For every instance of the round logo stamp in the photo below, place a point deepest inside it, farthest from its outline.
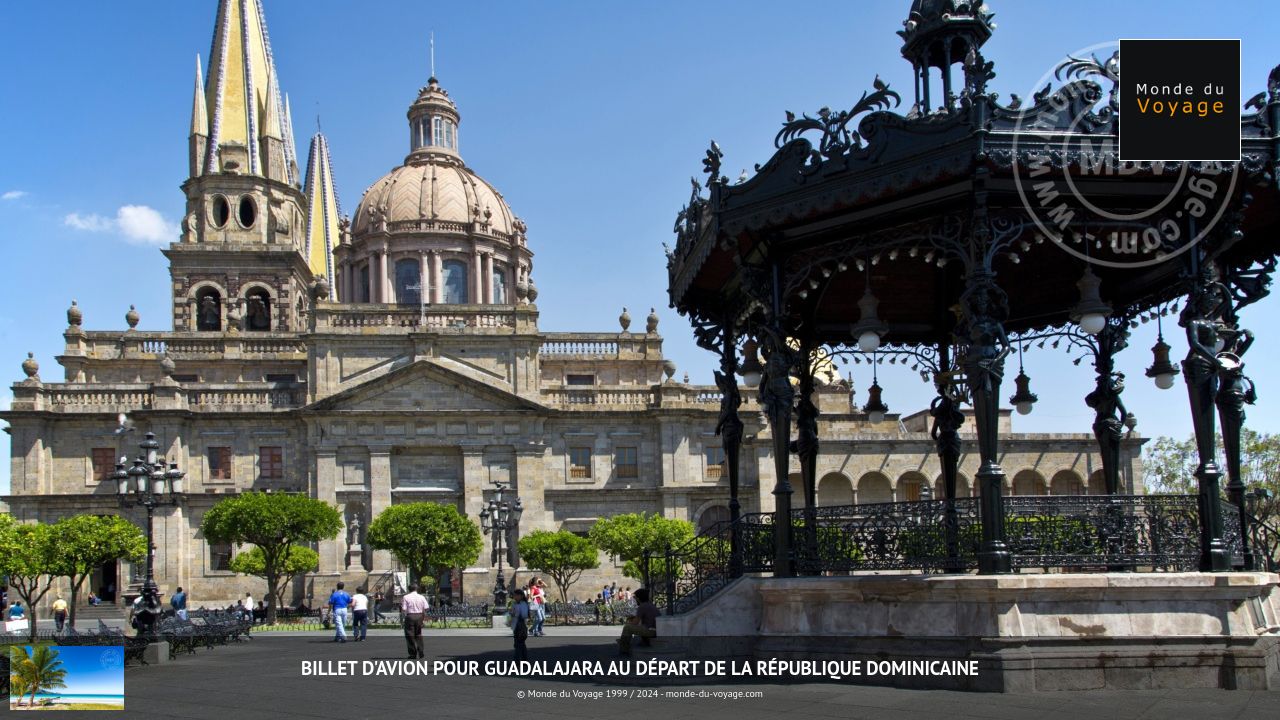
(1081, 196)
(111, 658)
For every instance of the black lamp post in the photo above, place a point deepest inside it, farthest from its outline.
(499, 518)
(148, 484)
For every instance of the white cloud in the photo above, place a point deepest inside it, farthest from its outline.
(145, 225)
(13, 195)
(137, 224)
(91, 223)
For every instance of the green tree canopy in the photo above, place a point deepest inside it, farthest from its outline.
(1169, 465)
(629, 537)
(299, 560)
(426, 537)
(84, 542)
(562, 555)
(29, 557)
(276, 523)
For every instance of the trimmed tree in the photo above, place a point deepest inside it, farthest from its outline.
(426, 537)
(29, 557)
(299, 560)
(629, 537)
(85, 542)
(562, 555)
(275, 523)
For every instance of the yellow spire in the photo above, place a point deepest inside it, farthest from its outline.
(242, 96)
(199, 118)
(323, 211)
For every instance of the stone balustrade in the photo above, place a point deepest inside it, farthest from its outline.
(701, 397)
(106, 345)
(125, 398)
(241, 396)
(375, 317)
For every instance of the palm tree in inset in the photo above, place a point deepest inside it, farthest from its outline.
(17, 679)
(41, 671)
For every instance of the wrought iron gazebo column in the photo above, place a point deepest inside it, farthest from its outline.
(947, 419)
(1109, 411)
(1234, 391)
(1200, 370)
(806, 448)
(730, 430)
(777, 396)
(984, 305)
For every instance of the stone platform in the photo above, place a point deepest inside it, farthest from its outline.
(1027, 631)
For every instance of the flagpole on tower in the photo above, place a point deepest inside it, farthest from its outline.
(433, 54)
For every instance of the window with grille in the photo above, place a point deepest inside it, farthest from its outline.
(104, 463)
(715, 462)
(580, 462)
(626, 463)
(572, 379)
(219, 463)
(271, 462)
(220, 557)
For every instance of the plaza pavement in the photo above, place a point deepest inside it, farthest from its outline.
(263, 679)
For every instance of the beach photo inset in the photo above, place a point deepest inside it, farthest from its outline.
(51, 677)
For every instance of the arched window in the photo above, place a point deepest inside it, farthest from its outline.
(408, 282)
(208, 310)
(1066, 482)
(257, 314)
(874, 488)
(1029, 482)
(711, 517)
(835, 489)
(499, 285)
(437, 130)
(454, 278)
(909, 486)
(450, 139)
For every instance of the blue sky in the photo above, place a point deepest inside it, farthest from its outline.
(91, 670)
(588, 117)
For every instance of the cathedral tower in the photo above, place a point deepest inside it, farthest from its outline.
(241, 262)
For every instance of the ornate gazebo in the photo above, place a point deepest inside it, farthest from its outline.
(953, 236)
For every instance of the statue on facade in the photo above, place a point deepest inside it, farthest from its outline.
(210, 313)
(353, 534)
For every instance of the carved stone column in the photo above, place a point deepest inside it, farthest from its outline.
(437, 292)
(488, 278)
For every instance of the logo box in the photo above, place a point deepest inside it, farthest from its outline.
(1180, 100)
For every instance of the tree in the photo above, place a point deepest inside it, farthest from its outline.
(84, 542)
(276, 523)
(562, 555)
(631, 536)
(426, 537)
(37, 672)
(29, 557)
(299, 560)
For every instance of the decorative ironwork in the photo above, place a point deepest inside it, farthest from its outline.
(837, 138)
(890, 536)
(1146, 532)
(689, 575)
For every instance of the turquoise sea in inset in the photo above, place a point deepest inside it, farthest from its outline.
(73, 697)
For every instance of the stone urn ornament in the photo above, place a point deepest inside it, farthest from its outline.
(320, 290)
(74, 315)
(669, 367)
(533, 292)
(30, 367)
(624, 320)
(132, 317)
(651, 324)
(522, 291)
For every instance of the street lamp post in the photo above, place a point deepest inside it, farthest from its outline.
(148, 484)
(499, 518)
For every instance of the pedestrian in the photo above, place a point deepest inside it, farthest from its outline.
(339, 601)
(93, 599)
(359, 615)
(518, 618)
(606, 594)
(59, 613)
(246, 607)
(644, 623)
(16, 611)
(378, 599)
(413, 608)
(537, 605)
(179, 603)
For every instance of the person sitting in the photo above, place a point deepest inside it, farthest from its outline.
(16, 611)
(644, 623)
(93, 599)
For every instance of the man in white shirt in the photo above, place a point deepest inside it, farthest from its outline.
(413, 609)
(359, 615)
(246, 606)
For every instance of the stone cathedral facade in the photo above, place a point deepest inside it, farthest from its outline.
(396, 357)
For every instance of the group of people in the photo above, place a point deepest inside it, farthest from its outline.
(344, 606)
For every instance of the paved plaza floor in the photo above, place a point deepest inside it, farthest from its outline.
(263, 678)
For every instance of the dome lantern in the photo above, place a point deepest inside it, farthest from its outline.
(433, 122)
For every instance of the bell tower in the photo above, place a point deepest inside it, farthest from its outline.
(241, 262)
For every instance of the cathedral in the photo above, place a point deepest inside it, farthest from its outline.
(394, 356)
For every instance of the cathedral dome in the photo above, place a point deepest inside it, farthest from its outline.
(434, 191)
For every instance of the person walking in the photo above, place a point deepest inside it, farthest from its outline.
(359, 615)
(246, 607)
(518, 616)
(339, 601)
(376, 606)
(537, 605)
(59, 613)
(413, 608)
(179, 603)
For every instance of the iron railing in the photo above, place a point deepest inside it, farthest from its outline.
(1264, 543)
(1075, 533)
